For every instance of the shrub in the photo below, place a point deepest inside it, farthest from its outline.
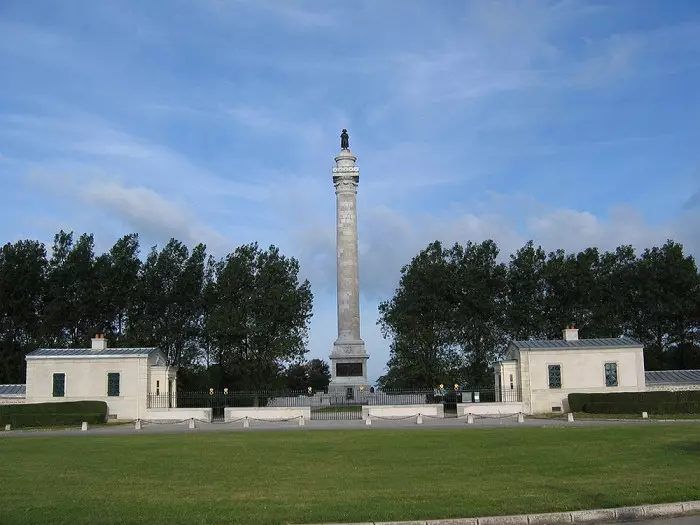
(660, 402)
(50, 414)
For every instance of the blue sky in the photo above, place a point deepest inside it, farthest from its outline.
(572, 123)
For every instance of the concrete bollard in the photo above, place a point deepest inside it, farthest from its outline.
(470, 419)
(368, 421)
(570, 417)
(301, 421)
(84, 426)
(419, 419)
(191, 425)
(521, 419)
(8, 427)
(246, 423)
(645, 415)
(137, 425)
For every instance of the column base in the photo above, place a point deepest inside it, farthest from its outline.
(349, 369)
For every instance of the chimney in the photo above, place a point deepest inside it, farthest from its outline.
(99, 342)
(570, 333)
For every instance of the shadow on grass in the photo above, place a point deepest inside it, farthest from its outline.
(687, 447)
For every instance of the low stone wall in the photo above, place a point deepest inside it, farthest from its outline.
(490, 409)
(389, 411)
(269, 413)
(11, 400)
(177, 414)
(671, 388)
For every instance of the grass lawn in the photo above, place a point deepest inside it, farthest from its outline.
(342, 476)
(584, 415)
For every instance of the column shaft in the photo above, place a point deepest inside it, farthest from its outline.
(347, 261)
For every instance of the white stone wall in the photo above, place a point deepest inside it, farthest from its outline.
(11, 400)
(493, 409)
(86, 380)
(582, 371)
(506, 380)
(163, 380)
(671, 388)
(233, 413)
(395, 411)
(177, 414)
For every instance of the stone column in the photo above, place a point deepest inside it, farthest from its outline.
(348, 349)
(345, 179)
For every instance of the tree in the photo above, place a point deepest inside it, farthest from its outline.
(526, 315)
(665, 301)
(119, 270)
(258, 316)
(480, 285)
(73, 293)
(315, 374)
(169, 303)
(318, 374)
(418, 319)
(22, 272)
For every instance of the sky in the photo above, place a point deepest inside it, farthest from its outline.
(571, 123)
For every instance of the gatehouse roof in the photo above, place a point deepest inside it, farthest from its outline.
(83, 353)
(661, 377)
(13, 390)
(577, 344)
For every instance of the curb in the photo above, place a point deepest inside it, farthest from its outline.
(662, 510)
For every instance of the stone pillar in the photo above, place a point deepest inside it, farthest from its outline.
(348, 356)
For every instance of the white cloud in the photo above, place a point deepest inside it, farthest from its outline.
(146, 211)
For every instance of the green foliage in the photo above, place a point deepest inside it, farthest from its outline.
(315, 374)
(257, 316)
(23, 269)
(234, 322)
(455, 309)
(51, 414)
(661, 402)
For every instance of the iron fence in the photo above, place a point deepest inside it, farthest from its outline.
(325, 402)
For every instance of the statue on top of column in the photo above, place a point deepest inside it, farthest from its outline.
(344, 140)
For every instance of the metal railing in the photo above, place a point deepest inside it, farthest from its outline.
(325, 399)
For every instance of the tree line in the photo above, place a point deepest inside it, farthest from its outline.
(240, 321)
(456, 308)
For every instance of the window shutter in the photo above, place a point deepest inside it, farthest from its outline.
(113, 384)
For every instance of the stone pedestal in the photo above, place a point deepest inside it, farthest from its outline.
(348, 358)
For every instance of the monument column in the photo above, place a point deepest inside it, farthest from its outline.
(348, 359)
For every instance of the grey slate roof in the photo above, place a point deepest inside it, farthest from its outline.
(13, 390)
(665, 377)
(560, 344)
(44, 353)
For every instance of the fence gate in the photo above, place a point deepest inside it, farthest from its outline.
(339, 408)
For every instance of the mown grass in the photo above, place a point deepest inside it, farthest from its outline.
(585, 415)
(343, 476)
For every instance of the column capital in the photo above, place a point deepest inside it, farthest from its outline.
(345, 184)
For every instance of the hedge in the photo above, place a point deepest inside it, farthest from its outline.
(50, 414)
(659, 402)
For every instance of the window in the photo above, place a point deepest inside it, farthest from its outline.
(554, 376)
(113, 384)
(59, 385)
(348, 370)
(610, 374)
(511, 381)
